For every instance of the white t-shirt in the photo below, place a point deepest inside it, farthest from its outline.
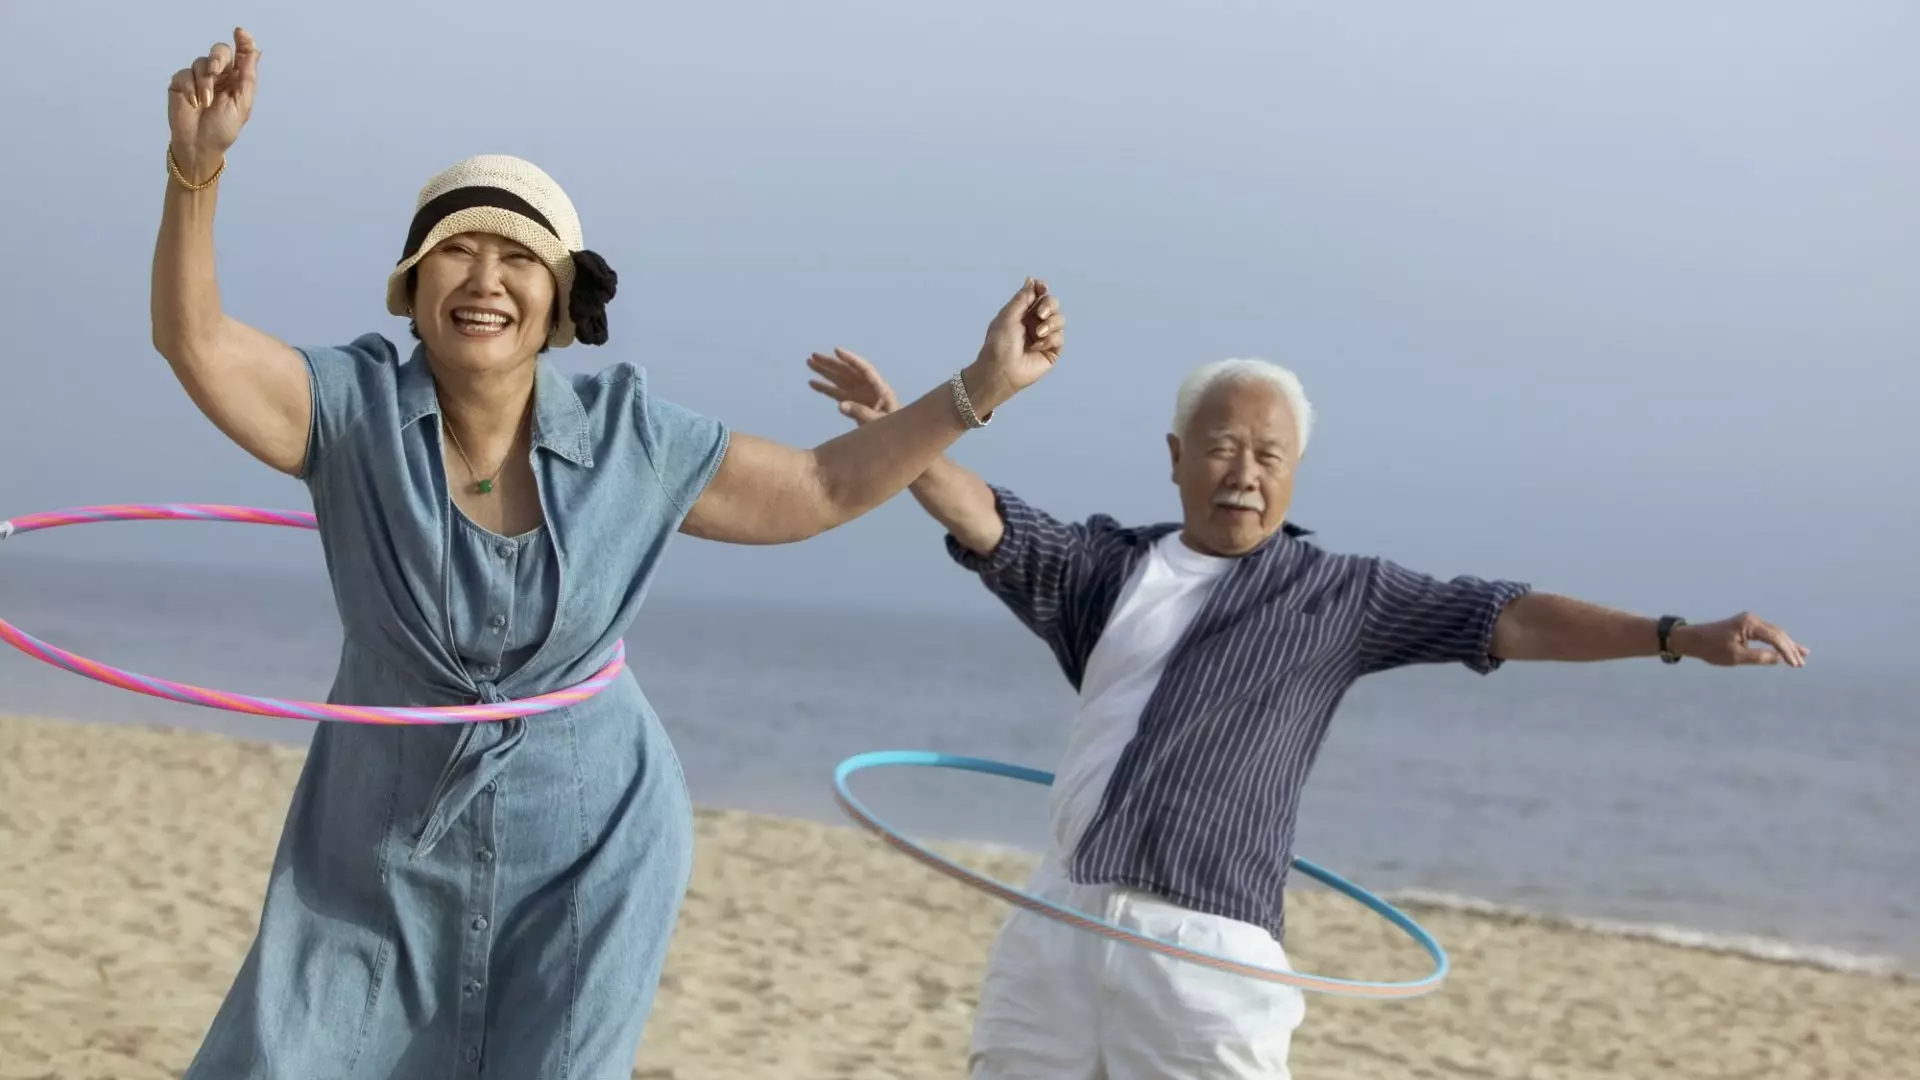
(1157, 605)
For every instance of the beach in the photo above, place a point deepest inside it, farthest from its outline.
(132, 861)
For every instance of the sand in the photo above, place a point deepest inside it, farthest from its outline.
(132, 862)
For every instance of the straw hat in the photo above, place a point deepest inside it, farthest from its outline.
(505, 196)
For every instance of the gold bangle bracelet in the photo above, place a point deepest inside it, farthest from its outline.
(180, 177)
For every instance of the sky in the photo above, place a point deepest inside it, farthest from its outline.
(1621, 299)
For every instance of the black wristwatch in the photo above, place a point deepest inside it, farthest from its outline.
(1667, 625)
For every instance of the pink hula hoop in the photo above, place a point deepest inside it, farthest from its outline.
(247, 703)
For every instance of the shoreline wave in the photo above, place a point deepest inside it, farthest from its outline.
(1747, 946)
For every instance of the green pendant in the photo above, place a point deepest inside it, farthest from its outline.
(485, 486)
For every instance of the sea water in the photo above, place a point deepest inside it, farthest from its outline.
(1769, 811)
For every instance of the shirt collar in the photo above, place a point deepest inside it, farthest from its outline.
(1287, 530)
(559, 419)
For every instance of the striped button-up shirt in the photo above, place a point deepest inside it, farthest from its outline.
(1201, 806)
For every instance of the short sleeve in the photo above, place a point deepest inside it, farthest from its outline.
(1411, 618)
(1018, 522)
(1046, 571)
(342, 380)
(684, 447)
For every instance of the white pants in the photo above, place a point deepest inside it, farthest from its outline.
(1058, 1003)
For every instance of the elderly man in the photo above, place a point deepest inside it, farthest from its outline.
(1209, 657)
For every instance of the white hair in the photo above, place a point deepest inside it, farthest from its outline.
(1204, 378)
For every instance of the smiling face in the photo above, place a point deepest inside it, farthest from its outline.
(482, 302)
(1234, 466)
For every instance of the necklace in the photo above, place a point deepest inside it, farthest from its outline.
(481, 485)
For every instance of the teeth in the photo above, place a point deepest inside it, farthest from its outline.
(490, 318)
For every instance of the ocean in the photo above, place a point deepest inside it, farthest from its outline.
(1768, 811)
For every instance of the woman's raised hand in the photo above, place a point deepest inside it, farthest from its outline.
(208, 103)
(1023, 343)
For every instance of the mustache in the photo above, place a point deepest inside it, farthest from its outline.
(1243, 500)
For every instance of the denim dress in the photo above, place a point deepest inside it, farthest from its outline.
(481, 899)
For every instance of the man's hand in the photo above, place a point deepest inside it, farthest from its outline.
(849, 379)
(1731, 642)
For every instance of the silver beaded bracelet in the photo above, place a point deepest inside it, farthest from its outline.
(965, 403)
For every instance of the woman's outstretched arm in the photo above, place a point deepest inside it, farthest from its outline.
(767, 493)
(253, 386)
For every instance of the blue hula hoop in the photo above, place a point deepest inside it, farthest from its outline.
(1080, 920)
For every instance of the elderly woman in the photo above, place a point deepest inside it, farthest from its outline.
(493, 897)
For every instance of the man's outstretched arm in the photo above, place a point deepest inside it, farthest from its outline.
(957, 498)
(953, 494)
(1545, 626)
(1414, 618)
(1034, 563)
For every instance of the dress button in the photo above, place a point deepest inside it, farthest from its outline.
(485, 855)
(473, 986)
(498, 621)
(473, 1053)
(480, 922)
(488, 669)
(505, 551)
(493, 786)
